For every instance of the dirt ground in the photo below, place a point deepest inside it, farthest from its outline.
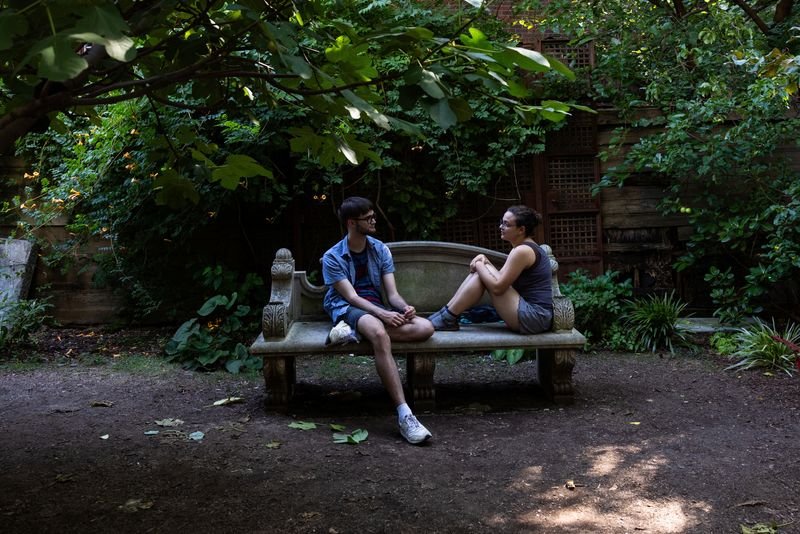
(653, 443)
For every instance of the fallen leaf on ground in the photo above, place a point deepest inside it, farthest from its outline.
(134, 505)
(303, 425)
(751, 503)
(354, 438)
(759, 528)
(228, 400)
(273, 444)
(169, 422)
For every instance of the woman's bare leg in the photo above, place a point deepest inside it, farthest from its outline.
(467, 295)
(506, 303)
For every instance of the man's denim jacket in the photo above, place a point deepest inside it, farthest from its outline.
(338, 265)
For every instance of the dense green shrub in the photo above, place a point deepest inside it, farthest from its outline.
(211, 340)
(653, 322)
(707, 95)
(599, 302)
(214, 338)
(765, 346)
(20, 319)
(723, 342)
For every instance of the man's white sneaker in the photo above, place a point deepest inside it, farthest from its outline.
(412, 430)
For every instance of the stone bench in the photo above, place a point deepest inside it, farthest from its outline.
(427, 273)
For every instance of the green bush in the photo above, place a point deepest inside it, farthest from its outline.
(620, 338)
(652, 321)
(764, 346)
(210, 341)
(723, 342)
(20, 319)
(213, 339)
(513, 356)
(599, 301)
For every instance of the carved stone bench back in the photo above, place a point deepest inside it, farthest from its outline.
(427, 274)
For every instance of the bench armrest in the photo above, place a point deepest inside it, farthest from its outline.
(563, 309)
(278, 313)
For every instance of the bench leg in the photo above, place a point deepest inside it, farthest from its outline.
(279, 380)
(419, 372)
(555, 374)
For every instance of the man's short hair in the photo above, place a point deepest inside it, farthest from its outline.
(353, 208)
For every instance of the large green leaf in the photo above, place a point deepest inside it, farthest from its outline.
(559, 67)
(298, 66)
(354, 150)
(58, 61)
(102, 19)
(362, 105)
(476, 39)
(120, 48)
(11, 25)
(211, 304)
(529, 60)
(236, 167)
(431, 84)
(442, 114)
(174, 190)
(461, 108)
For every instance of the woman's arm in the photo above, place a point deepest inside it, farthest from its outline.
(497, 282)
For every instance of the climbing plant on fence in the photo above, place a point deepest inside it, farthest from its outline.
(724, 76)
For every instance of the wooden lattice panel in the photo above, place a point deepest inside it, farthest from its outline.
(571, 179)
(575, 57)
(510, 190)
(456, 231)
(579, 136)
(573, 236)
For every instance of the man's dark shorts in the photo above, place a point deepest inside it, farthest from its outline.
(353, 314)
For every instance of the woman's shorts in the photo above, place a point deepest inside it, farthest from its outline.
(533, 319)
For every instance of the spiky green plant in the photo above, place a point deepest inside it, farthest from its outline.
(653, 321)
(762, 345)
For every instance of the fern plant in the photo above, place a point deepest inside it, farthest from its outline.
(653, 322)
(763, 346)
(20, 319)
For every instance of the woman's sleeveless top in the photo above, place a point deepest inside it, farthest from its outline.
(534, 284)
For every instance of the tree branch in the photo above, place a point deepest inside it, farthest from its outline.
(753, 15)
(782, 11)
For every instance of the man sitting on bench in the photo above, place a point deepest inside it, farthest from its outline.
(355, 270)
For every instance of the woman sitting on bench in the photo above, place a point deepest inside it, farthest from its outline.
(521, 291)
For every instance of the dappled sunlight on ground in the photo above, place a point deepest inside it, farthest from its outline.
(618, 486)
(622, 509)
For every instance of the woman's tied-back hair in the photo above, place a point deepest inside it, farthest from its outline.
(353, 208)
(527, 217)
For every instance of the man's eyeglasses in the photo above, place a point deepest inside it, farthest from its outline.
(368, 218)
(504, 224)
